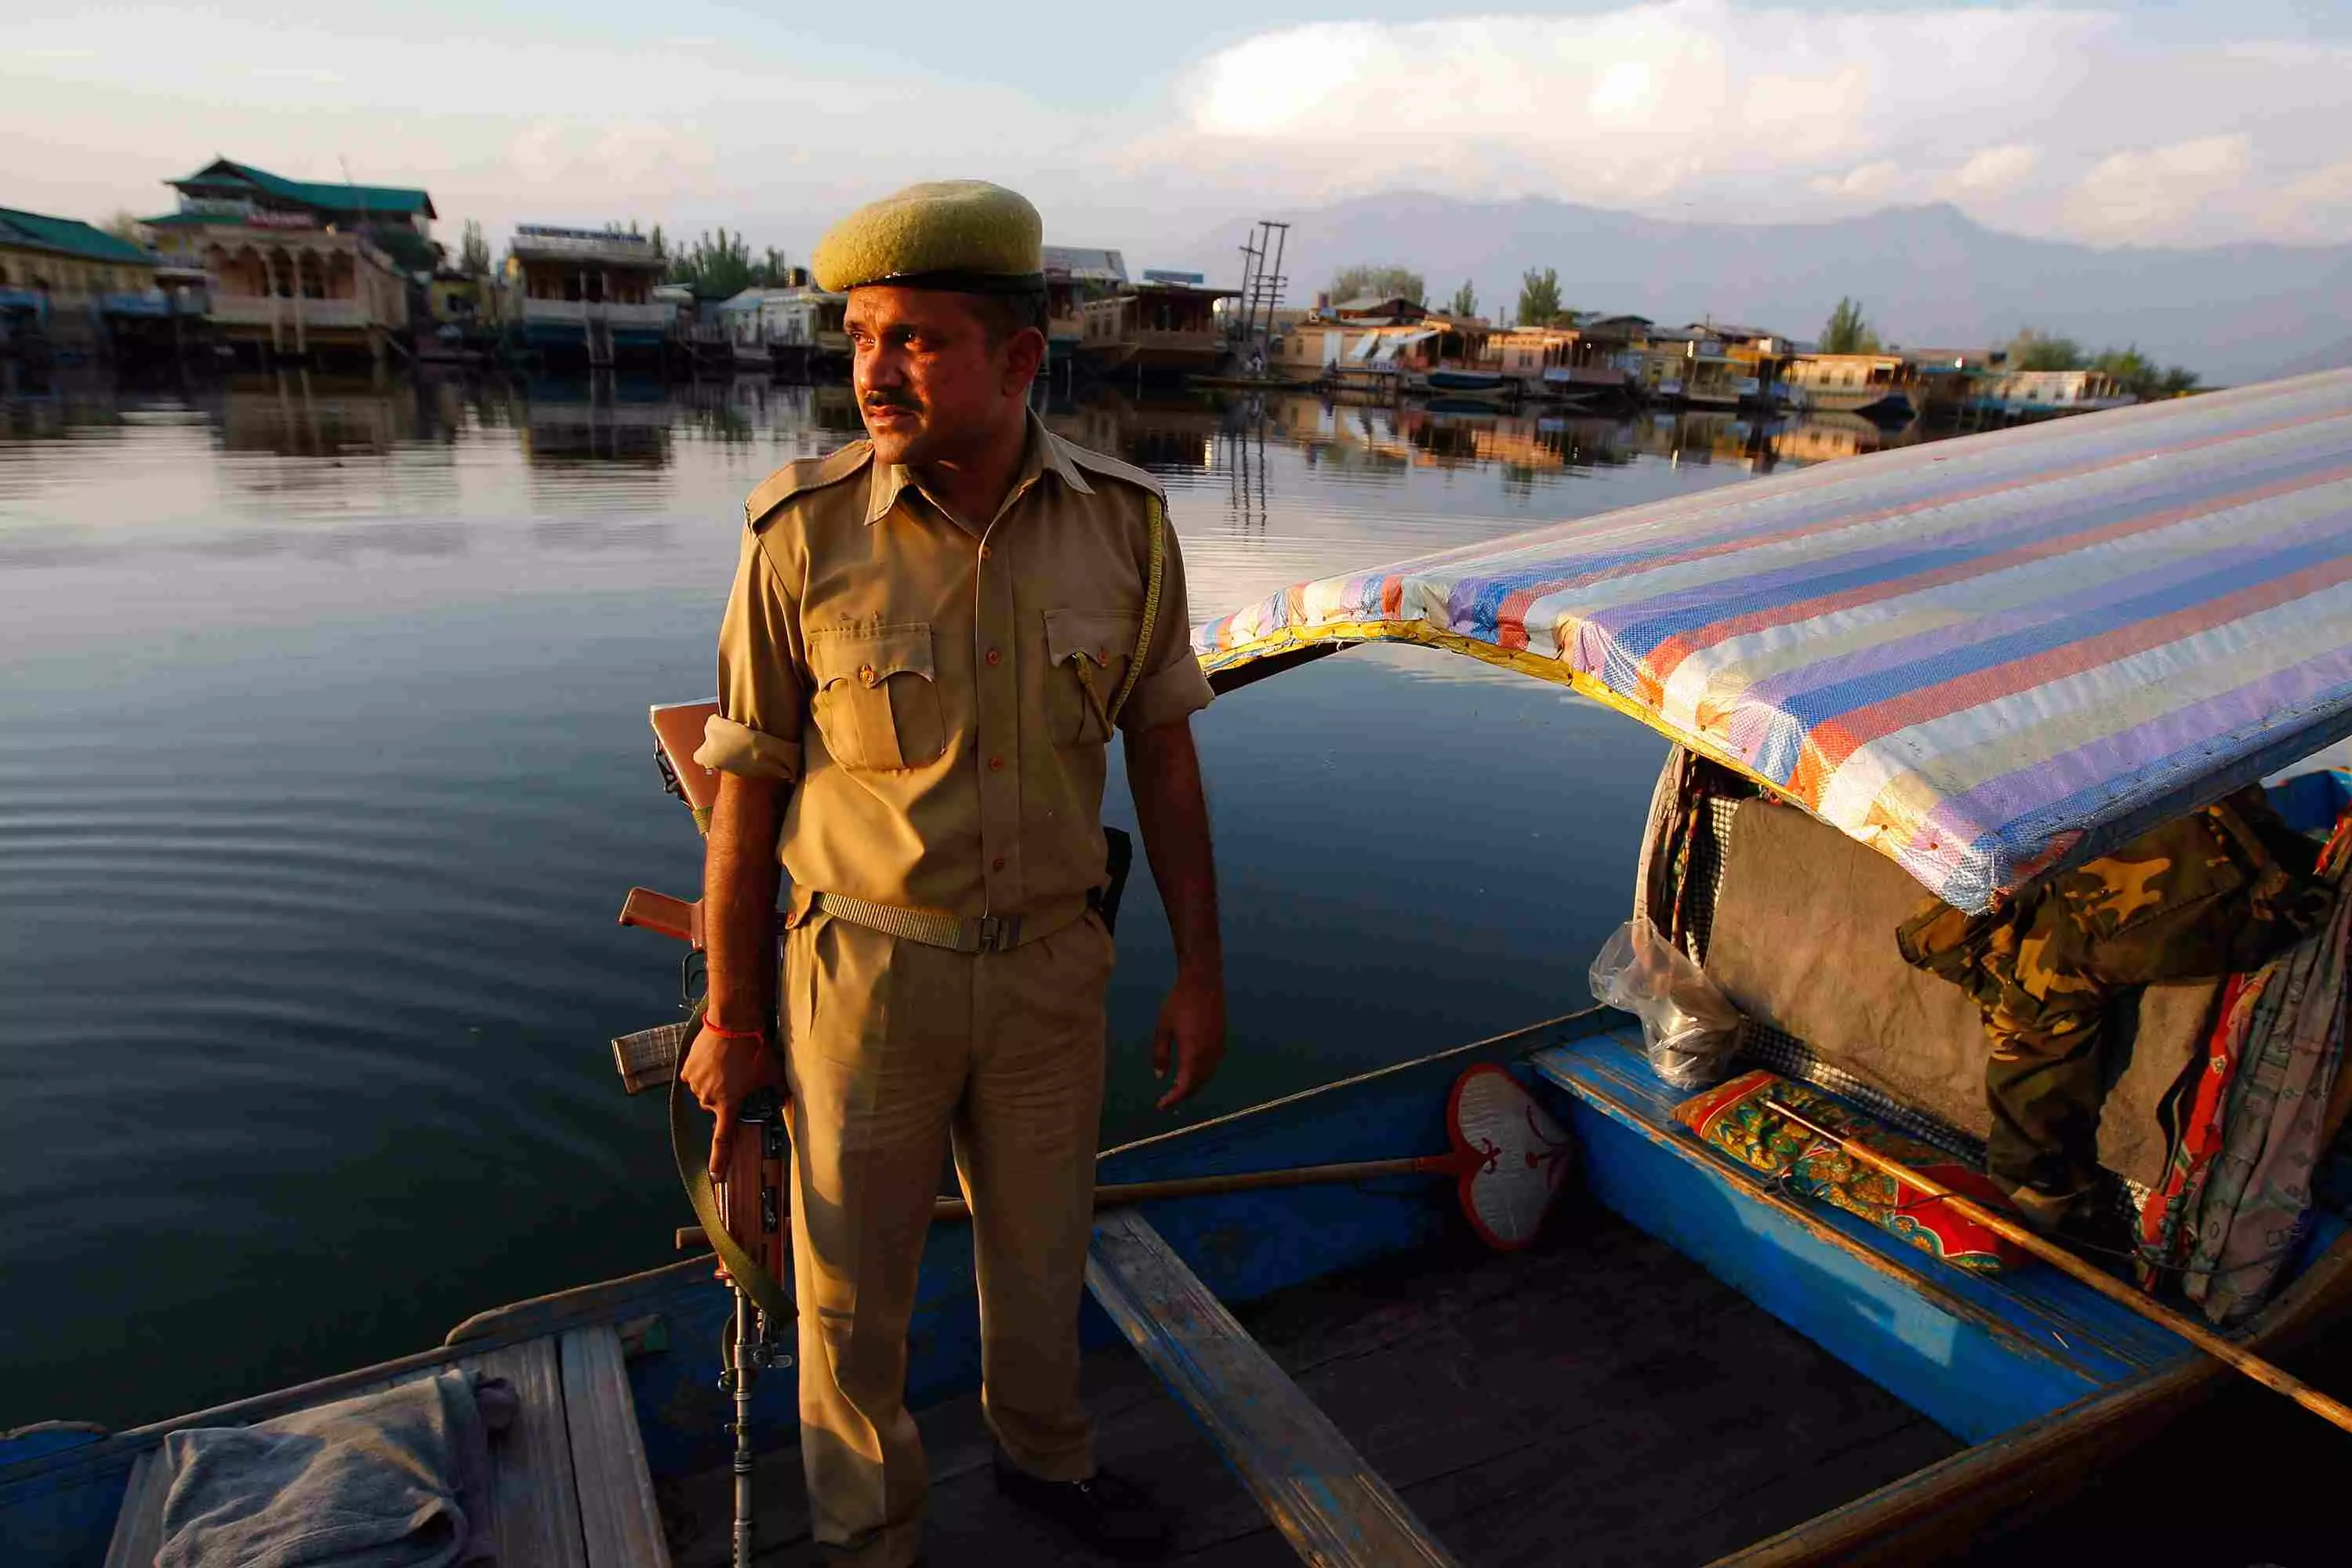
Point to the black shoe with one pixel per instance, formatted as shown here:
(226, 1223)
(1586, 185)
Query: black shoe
(1108, 1512)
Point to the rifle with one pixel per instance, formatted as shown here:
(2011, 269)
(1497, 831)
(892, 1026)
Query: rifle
(749, 1196)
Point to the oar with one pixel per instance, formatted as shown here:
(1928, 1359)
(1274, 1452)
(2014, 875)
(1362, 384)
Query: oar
(2223, 1350)
(1111, 1197)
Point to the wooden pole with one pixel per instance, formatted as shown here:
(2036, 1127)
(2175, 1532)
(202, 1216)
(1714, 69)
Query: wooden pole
(2223, 1350)
(689, 1236)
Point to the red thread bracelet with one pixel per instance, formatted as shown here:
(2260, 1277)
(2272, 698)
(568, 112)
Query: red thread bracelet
(726, 1034)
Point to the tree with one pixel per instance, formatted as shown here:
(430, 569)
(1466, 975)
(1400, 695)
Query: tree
(772, 272)
(2142, 376)
(1379, 283)
(474, 251)
(661, 245)
(1464, 302)
(124, 226)
(1847, 333)
(716, 266)
(1539, 297)
(2035, 350)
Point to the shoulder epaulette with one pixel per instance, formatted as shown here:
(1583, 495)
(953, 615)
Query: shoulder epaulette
(802, 475)
(1112, 469)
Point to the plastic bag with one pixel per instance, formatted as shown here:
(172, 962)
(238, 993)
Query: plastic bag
(1689, 1027)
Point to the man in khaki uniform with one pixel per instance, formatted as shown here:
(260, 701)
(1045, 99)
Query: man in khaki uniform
(931, 637)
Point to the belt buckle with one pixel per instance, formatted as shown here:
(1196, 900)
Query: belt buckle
(998, 933)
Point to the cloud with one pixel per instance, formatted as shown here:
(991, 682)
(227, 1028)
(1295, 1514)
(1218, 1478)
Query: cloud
(2074, 122)
(1872, 182)
(1994, 169)
(2155, 194)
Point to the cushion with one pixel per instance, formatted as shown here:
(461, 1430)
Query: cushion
(1734, 1118)
(1803, 940)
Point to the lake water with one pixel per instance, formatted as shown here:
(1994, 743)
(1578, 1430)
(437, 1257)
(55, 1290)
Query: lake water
(324, 767)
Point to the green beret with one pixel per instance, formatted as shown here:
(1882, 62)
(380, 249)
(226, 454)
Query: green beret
(964, 234)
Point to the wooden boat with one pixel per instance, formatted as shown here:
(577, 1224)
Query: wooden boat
(1453, 382)
(1251, 382)
(1711, 1367)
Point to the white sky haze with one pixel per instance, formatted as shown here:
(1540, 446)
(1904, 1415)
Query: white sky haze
(2161, 126)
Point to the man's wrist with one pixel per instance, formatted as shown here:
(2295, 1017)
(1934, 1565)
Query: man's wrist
(1200, 967)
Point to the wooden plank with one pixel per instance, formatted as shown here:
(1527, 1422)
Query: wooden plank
(620, 1522)
(139, 1528)
(535, 1499)
(1314, 1487)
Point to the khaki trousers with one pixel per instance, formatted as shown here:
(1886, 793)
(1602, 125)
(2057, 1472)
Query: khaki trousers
(894, 1050)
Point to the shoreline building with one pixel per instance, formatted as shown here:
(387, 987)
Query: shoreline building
(65, 284)
(793, 329)
(2029, 392)
(1878, 385)
(1076, 275)
(585, 292)
(298, 267)
(1168, 324)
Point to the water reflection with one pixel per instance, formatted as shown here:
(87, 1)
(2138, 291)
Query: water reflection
(324, 696)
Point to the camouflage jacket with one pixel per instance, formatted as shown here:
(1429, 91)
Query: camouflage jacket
(2218, 891)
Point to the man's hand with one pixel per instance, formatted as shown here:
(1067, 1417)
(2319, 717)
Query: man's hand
(1191, 1032)
(720, 1070)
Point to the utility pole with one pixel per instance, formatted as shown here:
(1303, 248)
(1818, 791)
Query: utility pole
(1261, 276)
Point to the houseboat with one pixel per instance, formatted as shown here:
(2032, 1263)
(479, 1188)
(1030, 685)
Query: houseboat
(1947, 383)
(1875, 386)
(1164, 325)
(796, 329)
(1750, 1341)
(68, 287)
(586, 295)
(1076, 276)
(2028, 393)
(300, 268)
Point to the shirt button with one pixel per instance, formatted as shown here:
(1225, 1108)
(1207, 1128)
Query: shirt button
(984, 553)
(996, 764)
(994, 658)
(865, 673)
(997, 864)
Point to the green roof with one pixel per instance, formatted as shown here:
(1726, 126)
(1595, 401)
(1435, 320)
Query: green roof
(66, 236)
(332, 197)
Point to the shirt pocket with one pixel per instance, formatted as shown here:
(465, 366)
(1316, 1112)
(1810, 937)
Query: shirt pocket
(1087, 652)
(877, 697)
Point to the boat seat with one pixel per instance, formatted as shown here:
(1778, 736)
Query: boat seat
(569, 1483)
(1315, 1490)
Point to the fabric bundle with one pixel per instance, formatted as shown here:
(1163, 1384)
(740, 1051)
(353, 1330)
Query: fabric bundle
(398, 1478)
(2236, 1199)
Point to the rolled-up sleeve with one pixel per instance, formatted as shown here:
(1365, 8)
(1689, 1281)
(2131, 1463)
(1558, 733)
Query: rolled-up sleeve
(762, 690)
(1173, 684)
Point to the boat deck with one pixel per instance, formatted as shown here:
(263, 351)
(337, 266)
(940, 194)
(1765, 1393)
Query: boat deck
(1600, 1395)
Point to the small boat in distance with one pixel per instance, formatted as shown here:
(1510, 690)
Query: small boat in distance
(1744, 1374)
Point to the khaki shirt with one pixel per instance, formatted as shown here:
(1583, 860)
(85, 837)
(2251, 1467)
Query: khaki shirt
(920, 678)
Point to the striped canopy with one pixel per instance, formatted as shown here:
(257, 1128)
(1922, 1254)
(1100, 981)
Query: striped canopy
(1985, 658)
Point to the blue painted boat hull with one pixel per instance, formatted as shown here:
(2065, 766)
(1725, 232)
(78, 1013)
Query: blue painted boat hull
(1986, 1360)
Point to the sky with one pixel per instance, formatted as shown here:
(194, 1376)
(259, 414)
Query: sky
(1147, 127)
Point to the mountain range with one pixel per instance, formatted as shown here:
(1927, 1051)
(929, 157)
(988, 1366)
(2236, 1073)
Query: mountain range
(1925, 276)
